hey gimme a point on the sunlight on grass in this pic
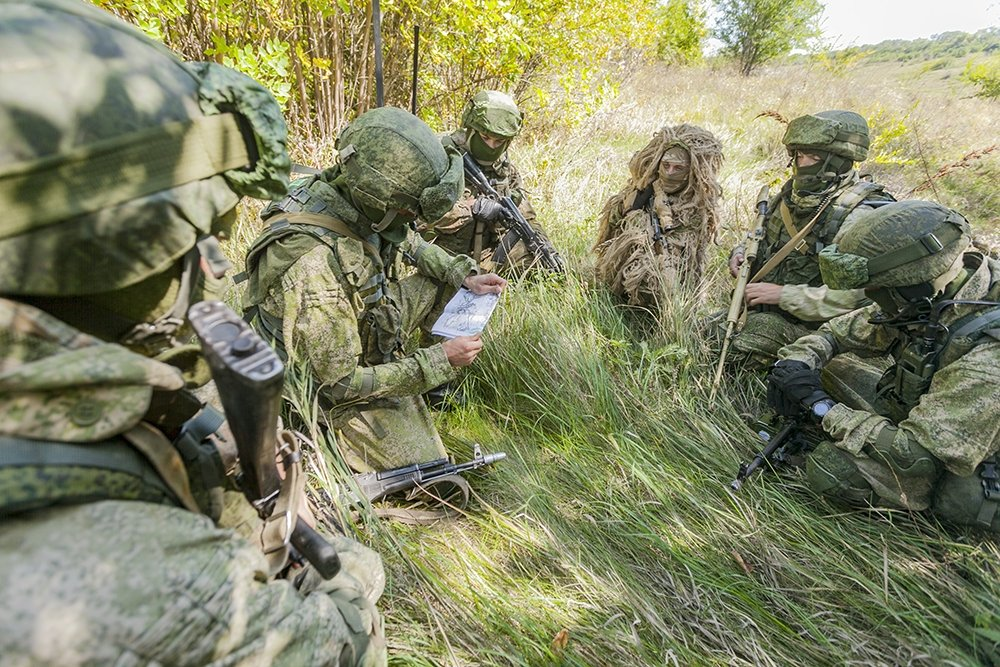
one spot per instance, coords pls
(611, 518)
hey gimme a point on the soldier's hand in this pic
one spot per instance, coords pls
(793, 388)
(760, 294)
(487, 210)
(735, 261)
(462, 350)
(487, 283)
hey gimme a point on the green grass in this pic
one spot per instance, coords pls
(611, 519)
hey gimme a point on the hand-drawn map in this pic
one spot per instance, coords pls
(466, 314)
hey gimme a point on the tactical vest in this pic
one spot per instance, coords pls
(801, 267)
(306, 219)
(917, 360)
(35, 474)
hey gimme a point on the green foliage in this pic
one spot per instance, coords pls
(890, 139)
(317, 57)
(683, 30)
(985, 76)
(756, 31)
(952, 44)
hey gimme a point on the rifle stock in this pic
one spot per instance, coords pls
(736, 305)
(520, 230)
(249, 376)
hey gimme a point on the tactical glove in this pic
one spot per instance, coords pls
(793, 387)
(485, 209)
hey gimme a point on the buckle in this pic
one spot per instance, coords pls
(931, 243)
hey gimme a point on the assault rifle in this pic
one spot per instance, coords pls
(788, 441)
(377, 485)
(736, 305)
(249, 376)
(518, 228)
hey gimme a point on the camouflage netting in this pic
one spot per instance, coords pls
(628, 260)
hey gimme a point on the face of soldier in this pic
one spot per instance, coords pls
(675, 169)
(487, 148)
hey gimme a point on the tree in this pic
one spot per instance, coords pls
(682, 31)
(755, 31)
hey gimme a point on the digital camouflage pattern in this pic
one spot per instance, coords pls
(132, 583)
(493, 112)
(389, 160)
(943, 436)
(140, 143)
(805, 301)
(314, 285)
(636, 266)
(107, 188)
(843, 133)
(457, 231)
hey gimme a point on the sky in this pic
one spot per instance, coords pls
(856, 22)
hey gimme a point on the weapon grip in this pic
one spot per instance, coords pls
(315, 549)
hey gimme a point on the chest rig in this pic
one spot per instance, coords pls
(366, 267)
(801, 267)
(920, 353)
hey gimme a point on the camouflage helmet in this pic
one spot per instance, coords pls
(493, 112)
(390, 160)
(117, 157)
(842, 133)
(898, 245)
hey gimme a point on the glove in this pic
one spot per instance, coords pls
(485, 209)
(793, 387)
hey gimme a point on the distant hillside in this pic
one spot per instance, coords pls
(953, 44)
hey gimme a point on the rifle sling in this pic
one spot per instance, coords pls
(779, 257)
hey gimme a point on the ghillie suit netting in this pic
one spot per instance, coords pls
(638, 267)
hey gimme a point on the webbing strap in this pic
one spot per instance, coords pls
(334, 225)
(928, 244)
(114, 455)
(127, 167)
(786, 220)
(793, 243)
(164, 457)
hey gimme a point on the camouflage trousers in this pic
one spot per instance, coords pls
(132, 583)
(393, 432)
(763, 334)
(855, 480)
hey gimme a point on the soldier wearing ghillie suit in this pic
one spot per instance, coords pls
(653, 234)
(476, 225)
(119, 166)
(786, 297)
(924, 434)
(327, 284)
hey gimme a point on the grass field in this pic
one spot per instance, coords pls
(608, 536)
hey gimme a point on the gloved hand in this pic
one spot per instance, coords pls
(793, 387)
(487, 210)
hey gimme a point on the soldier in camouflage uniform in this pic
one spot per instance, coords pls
(119, 165)
(653, 234)
(475, 225)
(786, 298)
(326, 283)
(925, 434)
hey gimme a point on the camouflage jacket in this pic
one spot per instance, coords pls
(955, 419)
(804, 296)
(456, 231)
(326, 299)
